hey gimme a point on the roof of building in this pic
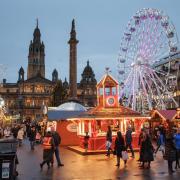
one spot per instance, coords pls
(167, 59)
(165, 114)
(108, 113)
(65, 110)
(107, 79)
(71, 106)
(38, 79)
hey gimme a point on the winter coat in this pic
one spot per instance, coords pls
(7, 133)
(119, 146)
(32, 135)
(177, 141)
(109, 136)
(15, 131)
(146, 151)
(56, 138)
(48, 153)
(20, 134)
(160, 140)
(170, 150)
(128, 137)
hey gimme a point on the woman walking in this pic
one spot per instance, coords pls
(119, 147)
(146, 152)
(108, 141)
(170, 152)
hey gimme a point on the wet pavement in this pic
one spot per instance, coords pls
(93, 167)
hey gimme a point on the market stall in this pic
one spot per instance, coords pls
(108, 113)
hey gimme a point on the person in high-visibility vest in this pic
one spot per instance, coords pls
(48, 149)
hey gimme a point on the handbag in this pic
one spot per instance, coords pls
(125, 155)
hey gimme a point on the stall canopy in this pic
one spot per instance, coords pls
(66, 110)
(164, 114)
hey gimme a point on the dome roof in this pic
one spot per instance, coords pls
(71, 106)
(88, 69)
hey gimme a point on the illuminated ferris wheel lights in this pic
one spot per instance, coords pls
(151, 36)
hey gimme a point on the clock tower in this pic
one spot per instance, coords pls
(108, 92)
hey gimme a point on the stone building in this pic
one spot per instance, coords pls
(27, 97)
(87, 87)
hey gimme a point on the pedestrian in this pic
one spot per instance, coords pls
(119, 147)
(108, 140)
(86, 141)
(177, 144)
(7, 132)
(20, 136)
(57, 142)
(170, 152)
(146, 151)
(32, 137)
(140, 142)
(160, 142)
(1, 132)
(15, 130)
(48, 149)
(128, 138)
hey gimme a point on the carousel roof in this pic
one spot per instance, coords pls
(108, 113)
(71, 106)
(66, 110)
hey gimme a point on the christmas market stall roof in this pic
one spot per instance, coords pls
(100, 113)
(164, 114)
(66, 110)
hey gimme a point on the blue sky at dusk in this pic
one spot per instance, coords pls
(99, 25)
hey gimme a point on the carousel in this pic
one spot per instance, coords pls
(108, 112)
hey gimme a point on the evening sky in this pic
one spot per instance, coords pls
(99, 25)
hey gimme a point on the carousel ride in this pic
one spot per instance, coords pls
(149, 36)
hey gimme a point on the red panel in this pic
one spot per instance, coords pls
(67, 137)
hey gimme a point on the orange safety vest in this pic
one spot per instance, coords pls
(47, 143)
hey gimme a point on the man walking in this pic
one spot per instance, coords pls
(57, 141)
(128, 138)
(32, 137)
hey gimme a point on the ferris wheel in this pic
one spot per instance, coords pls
(149, 36)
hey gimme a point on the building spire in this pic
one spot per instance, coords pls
(37, 23)
(73, 30)
(73, 26)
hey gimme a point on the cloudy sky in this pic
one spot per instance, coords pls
(99, 25)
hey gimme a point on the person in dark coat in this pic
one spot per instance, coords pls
(108, 140)
(32, 137)
(170, 152)
(119, 147)
(48, 149)
(57, 141)
(177, 144)
(146, 150)
(14, 131)
(129, 140)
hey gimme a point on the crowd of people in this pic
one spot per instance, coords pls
(36, 133)
(167, 141)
